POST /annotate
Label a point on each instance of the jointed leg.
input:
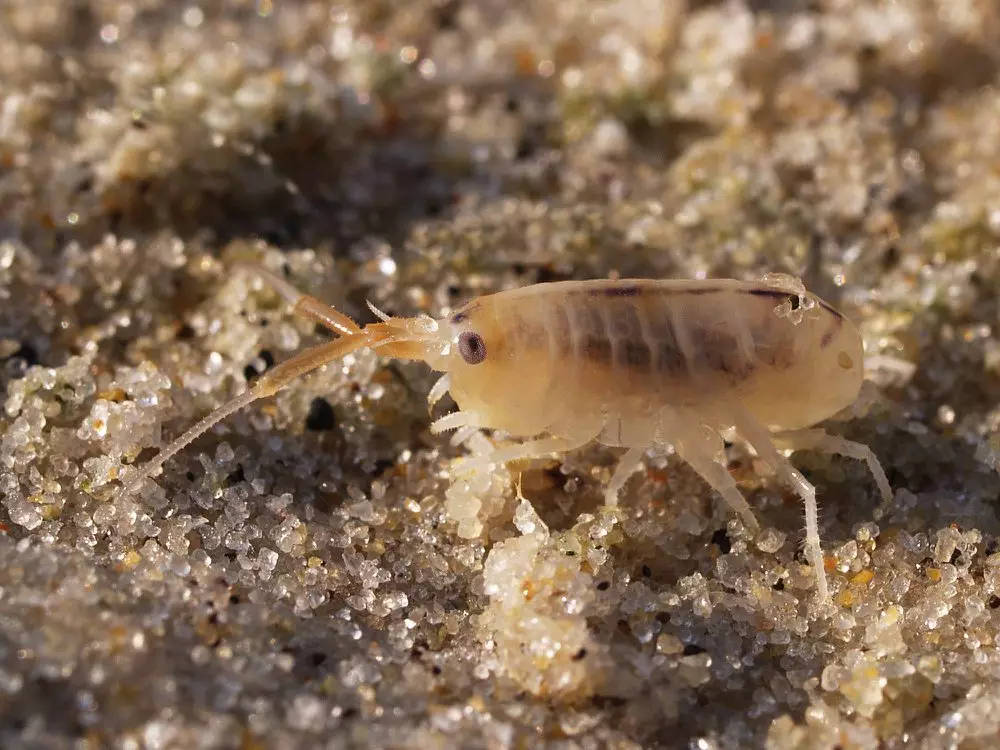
(304, 305)
(700, 452)
(464, 423)
(453, 421)
(628, 464)
(759, 437)
(820, 440)
(267, 385)
(510, 452)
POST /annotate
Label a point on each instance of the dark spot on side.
(635, 290)
(597, 349)
(831, 332)
(716, 350)
(581, 654)
(771, 293)
(321, 417)
(561, 329)
(693, 649)
(604, 585)
(670, 359)
(625, 290)
(635, 354)
(463, 314)
(733, 365)
(994, 602)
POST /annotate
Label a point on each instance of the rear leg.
(819, 440)
(760, 439)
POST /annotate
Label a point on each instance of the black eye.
(472, 347)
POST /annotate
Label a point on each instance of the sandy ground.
(311, 573)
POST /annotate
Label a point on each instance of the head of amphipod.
(491, 367)
(818, 366)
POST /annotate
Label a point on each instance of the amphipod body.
(637, 364)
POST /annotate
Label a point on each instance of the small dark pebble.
(604, 585)
(236, 476)
(250, 372)
(29, 354)
(693, 649)
(721, 540)
(994, 601)
(321, 417)
(16, 366)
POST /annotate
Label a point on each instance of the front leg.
(464, 423)
(513, 451)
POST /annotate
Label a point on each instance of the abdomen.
(629, 348)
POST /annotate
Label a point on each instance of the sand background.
(308, 574)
